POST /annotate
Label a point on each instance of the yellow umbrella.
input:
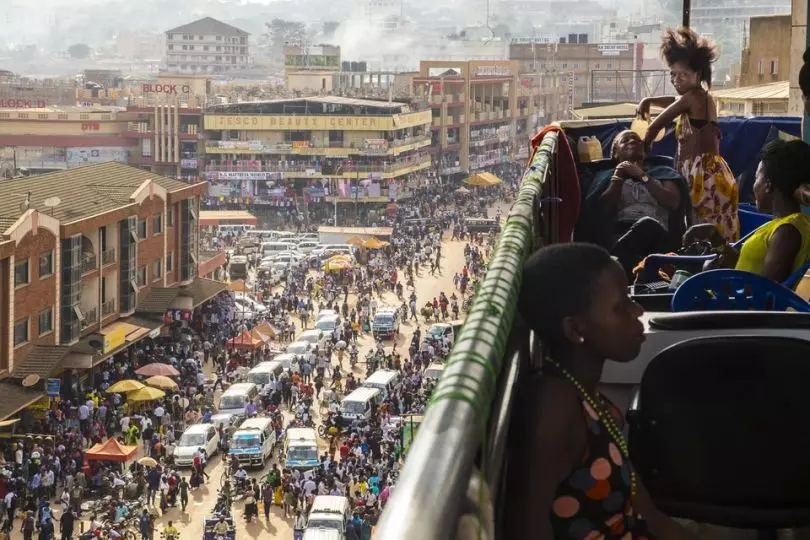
(483, 179)
(335, 264)
(238, 286)
(147, 393)
(147, 462)
(127, 385)
(374, 243)
(355, 241)
(161, 381)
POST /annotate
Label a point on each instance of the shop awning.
(16, 398)
(162, 299)
(41, 360)
(111, 450)
(113, 338)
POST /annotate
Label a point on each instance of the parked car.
(197, 436)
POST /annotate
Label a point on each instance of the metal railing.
(108, 256)
(90, 318)
(88, 262)
(470, 408)
(108, 307)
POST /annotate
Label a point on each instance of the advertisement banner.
(53, 387)
(375, 146)
(321, 123)
(85, 155)
(240, 175)
(114, 339)
(188, 163)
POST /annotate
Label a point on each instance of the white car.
(243, 313)
(287, 258)
(326, 313)
(299, 347)
(327, 323)
(285, 359)
(196, 437)
(315, 336)
(306, 246)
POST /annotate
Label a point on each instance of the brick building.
(88, 259)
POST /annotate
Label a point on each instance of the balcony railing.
(88, 262)
(90, 318)
(475, 394)
(108, 256)
(108, 308)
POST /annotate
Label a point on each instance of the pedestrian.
(66, 524)
(267, 500)
(145, 525)
(27, 527)
(299, 525)
(183, 493)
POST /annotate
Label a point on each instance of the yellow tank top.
(752, 255)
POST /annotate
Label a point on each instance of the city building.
(293, 152)
(311, 68)
(767, 57)
(588, 72)
(91, 259)
(769, 99)
(54, 138)
(207, 46)
(483, 111)
(18, 92)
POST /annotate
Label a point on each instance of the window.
(45, 321)
(21, 332)
(157, 224)
(170, 217)
(141, 277)
(170, 262)
(142, 229)
(156, 270)
(46, 264)
(21, 274)
(775, 67)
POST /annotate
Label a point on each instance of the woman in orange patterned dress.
(713, 188)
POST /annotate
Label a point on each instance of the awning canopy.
(16, 398)
(93, 349)
(245, 341)
(111, 450)
(161, 299)
(41, 360)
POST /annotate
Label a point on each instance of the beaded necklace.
(605, 418)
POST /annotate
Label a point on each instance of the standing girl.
(712, 186)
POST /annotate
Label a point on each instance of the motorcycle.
(353, 357)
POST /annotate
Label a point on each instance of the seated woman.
(781, 246)
(573, 477)
(644, 205)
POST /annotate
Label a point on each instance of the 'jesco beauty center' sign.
(317, 123)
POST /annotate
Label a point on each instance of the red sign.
(165, 89)
(91, 126)
(22, 104)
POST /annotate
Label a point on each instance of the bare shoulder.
(552, 406)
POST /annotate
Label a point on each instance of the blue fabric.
(726, 290)
(740, 145)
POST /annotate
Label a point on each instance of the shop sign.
(317, 123)
(165, 89)
(176, 315)
(12, 103)
(375, 146)
(239, 175)
(300, 144)
(114, 339)
(91, 126)
(493, 71)
(155, 333)
(188, 163)
(53, 387)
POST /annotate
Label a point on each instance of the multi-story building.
(588, 72)
(90, 261)
(48, 139)
(291, 151)
(483, 111)
(311, 68)
(766, 59)
(207, 46)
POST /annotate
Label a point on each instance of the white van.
(263, 373)
(253, 442)
(329, 512)
(285, 359)
(327, 323)
(284, 236)
(234, 399)
(197, 436)
(301, 348)
(269, 248)
(433, 371)
(301, 449)
(359, 404)
(223, 230)
(383, 380)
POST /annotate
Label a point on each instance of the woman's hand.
(625, 169)
(643, 108)
(703, 232)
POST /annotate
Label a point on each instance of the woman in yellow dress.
(713, 189)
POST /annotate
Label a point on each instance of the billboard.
(78, 156)
(317, 123)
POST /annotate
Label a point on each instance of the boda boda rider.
(781, 246)
(575, 478)
(644, 204)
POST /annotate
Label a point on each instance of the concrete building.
(767, 57)
(292, 152)
(207, 46)
(90, 261)
(311, 68)
(588, 72)
(483, 112)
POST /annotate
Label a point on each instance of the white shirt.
(159, 412)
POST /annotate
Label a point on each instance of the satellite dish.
(96, 344)
(52, 202)
(30, 380)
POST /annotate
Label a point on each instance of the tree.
(281, 32)
(79, 51)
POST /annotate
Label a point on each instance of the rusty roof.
(15, 398)
(42, 360)
(159, 299)
(83, 192)
(774, 90)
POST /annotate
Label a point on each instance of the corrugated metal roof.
(15, 398)
(774, 90)
(83, 192)
(613, 110)
(208, 26)
(42, 360)
(159, 298)
(394, 106)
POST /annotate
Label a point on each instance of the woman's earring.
(580, 339)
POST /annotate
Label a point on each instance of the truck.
(238, 267)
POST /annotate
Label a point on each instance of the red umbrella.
(157, 368)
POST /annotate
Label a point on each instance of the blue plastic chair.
(751, 219)
(730, 290)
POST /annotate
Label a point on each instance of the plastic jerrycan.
(589, 149)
